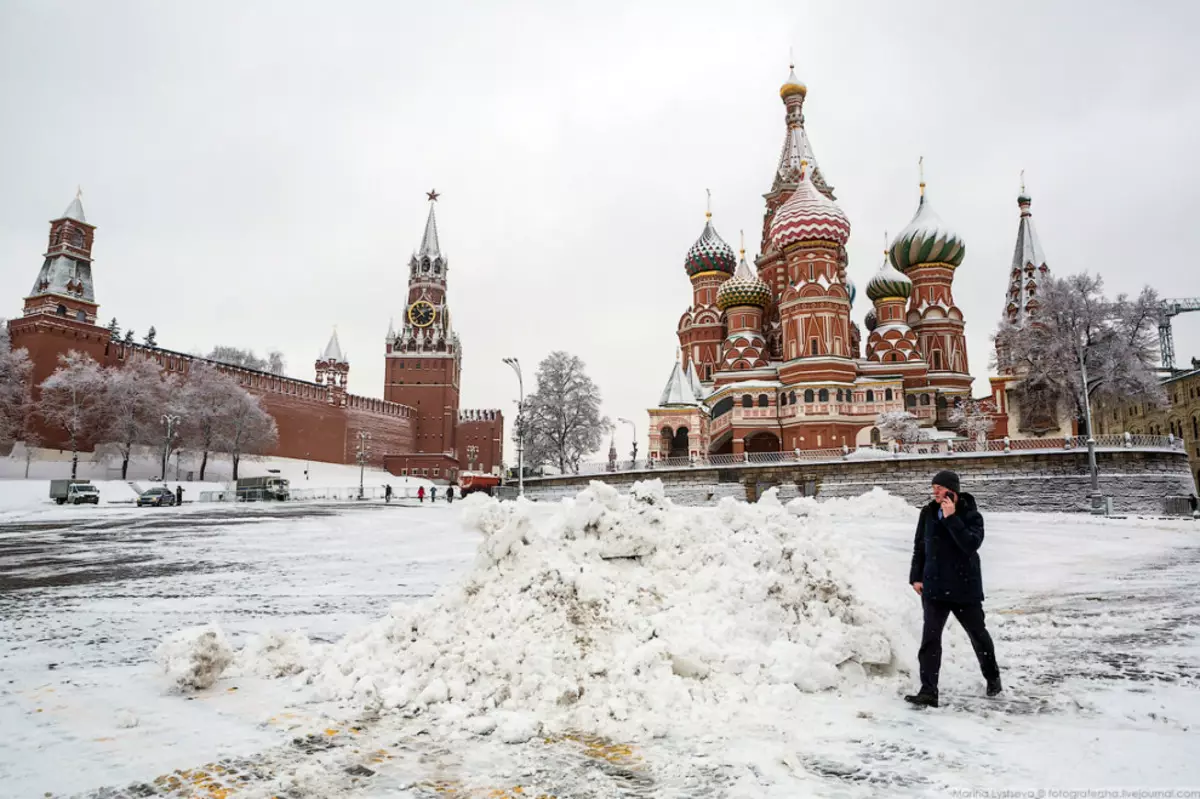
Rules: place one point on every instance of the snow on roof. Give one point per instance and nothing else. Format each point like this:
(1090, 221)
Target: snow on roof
(333, 350)
(1028, 252)
(678, 390)
(694, 378)
(75, 209)
(429, 242)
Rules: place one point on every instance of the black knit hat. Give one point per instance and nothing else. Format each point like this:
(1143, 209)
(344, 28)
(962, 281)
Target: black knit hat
(946, 479)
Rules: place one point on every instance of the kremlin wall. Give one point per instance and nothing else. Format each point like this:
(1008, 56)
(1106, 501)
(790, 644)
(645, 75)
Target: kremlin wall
(418, 429)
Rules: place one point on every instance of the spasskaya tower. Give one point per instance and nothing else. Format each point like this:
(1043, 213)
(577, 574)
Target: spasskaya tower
(424, 361)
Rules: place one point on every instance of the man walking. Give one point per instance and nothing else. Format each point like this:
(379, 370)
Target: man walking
(945, 572)
(450, 493)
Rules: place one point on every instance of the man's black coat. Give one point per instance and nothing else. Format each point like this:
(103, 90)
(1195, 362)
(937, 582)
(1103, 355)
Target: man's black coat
(946, 553)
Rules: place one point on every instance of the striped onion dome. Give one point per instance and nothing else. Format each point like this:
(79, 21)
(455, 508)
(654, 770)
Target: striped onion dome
(744, 288)
(851, 289)
(710, 253)
(927, 240)
(871, 321)
(888, 282)
(808, 215)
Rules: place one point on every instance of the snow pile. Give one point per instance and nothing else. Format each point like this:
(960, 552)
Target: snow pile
(275, 654)
(195, 658)
(626, 615)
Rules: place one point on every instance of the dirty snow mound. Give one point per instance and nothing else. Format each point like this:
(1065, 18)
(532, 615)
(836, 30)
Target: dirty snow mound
(275, 654)
(627, 615)
(195, 658)
(875, 504)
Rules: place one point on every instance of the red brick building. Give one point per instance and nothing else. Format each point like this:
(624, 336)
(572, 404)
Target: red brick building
(416, 429)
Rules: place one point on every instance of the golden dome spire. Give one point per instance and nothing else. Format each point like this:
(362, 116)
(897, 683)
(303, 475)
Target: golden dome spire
(792, 85)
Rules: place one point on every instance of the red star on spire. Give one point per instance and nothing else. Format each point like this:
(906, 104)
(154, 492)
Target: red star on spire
(432, 195)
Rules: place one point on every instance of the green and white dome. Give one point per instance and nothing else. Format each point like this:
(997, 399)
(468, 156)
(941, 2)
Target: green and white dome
(888, 282)
(926, 240)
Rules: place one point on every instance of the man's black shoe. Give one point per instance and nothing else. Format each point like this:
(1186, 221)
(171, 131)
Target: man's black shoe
(994, 687)
(922, 699)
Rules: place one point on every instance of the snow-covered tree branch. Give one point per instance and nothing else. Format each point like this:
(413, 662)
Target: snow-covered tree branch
(73, 401)
(899, 426)
(974, 418)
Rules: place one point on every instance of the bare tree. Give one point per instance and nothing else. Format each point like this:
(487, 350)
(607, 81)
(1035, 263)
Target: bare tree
(900, 426)
(33, 440)
(15, 392)
(276, 364)
(136, 396)
(974, 418)
(73, 401)
(564, 421)
(209, 396)
(250, 430)
(1077, 326)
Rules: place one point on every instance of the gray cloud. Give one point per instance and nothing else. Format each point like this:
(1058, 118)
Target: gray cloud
(257, 170)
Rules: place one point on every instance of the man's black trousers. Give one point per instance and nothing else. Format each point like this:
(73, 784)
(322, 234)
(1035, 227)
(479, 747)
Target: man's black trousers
(970, 616)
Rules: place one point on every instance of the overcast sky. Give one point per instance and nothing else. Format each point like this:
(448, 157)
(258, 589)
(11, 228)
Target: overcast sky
(258, 170)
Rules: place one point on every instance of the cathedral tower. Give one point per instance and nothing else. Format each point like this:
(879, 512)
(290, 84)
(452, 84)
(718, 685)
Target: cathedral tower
(423, 357)
(709, 263)
(64, 284)
(742, 299)
(928, 252)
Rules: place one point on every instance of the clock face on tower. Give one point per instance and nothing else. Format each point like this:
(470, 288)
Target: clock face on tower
(422, 313)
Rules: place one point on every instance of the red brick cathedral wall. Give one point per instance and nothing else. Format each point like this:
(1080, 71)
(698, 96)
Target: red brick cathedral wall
(310, 426)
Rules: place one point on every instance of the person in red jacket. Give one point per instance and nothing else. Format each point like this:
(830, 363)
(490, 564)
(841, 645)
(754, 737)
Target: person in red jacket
(421, 493)
(945, 573)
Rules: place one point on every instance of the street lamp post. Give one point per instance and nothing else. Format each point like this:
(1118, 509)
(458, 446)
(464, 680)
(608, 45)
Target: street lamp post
(1091, 439)
(516, 367)
(633, 430)
(170, 420)
(363, 453)
(472, 452)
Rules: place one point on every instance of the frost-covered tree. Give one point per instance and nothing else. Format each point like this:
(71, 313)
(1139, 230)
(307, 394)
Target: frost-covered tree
(1077, 326)
(250, 430)
(209, 397)
(73, 400)
(151, 339)
(974, 418)
(136, 396)
(899, 426)
(33, 440)
(563, 420)
(247, 359)
(15, 392)
(128, 337)
(114, 330)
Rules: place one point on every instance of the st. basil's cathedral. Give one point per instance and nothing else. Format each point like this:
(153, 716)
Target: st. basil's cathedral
(770, 359)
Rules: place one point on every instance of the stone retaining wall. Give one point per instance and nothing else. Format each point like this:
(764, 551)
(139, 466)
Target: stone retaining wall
(1139, 481)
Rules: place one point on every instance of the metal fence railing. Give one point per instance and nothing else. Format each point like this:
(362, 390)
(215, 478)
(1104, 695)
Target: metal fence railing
(1001, 446)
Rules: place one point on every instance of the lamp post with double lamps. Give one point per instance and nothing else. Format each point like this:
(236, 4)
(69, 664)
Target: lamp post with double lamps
(361, 455)
(633, 432)
(516, 367)
(171, 420)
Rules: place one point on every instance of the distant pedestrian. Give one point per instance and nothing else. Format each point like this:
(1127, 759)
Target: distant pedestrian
(387, 492)
(1193, 502)
(421, 493)
(450, 494)
(945, 572)
(178, 495)
(433, 494)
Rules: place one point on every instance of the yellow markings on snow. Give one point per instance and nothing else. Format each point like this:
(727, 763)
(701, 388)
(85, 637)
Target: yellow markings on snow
(603, 749)
(195, 783)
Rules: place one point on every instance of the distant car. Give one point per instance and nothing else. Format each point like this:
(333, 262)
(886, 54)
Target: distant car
(74, 491)
(158, 497)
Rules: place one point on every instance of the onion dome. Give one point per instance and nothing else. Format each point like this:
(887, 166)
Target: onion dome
(808, 215)
(710, 253)
(871, 321)
(927, 240)
(889, 282)
(744, 288)
(792, 85)
(851, 289)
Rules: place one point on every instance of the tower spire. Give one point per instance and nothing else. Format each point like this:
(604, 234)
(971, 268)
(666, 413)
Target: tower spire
(429, 242)
(708, 204)
(921, 172)
(75, 209)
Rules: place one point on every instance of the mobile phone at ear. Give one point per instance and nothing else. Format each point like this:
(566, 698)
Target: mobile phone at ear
(952, 495)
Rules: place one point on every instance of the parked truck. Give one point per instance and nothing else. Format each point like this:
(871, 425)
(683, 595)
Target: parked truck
(254, 489)
(76, 492)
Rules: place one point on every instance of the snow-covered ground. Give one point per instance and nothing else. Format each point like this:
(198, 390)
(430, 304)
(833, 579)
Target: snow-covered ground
(625, 646)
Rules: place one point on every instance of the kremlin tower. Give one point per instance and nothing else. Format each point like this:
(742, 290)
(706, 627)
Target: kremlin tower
(771, 359)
